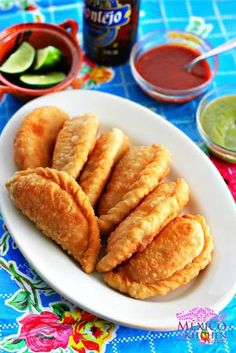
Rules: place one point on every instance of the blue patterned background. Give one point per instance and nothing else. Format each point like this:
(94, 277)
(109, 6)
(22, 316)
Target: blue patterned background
(154, 15)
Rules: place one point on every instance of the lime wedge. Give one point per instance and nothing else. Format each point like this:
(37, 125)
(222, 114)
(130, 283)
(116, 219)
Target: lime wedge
(49, 79)
(20, 60)
(47, 57)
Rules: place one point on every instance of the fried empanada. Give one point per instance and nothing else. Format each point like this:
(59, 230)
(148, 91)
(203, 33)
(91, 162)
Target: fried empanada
(74, 143)
(132, 235)
(36, 137)
(174, 258)
(134, 177)
(108, 150)
(58, 206)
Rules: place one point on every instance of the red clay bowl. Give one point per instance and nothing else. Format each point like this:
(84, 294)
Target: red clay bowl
(62, 36)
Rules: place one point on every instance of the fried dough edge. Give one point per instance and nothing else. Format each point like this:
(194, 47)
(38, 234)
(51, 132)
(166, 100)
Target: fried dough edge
(146, 182)
(179, 278)
(68, 184)
(137, 235)
(108, 150)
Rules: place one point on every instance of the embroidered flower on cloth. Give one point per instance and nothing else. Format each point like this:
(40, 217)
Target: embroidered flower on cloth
(228, 172)
(43, 332)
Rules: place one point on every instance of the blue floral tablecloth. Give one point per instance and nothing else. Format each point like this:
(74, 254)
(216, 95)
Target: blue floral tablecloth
(33, 318)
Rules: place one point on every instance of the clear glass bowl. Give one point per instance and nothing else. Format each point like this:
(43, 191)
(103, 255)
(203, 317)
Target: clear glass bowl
(157, 38)
(220, 151)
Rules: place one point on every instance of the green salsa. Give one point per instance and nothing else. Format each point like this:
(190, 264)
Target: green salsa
(218, 121)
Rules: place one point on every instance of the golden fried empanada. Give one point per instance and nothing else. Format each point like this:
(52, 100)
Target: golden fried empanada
(108, 150)
(134, 177)
(57, 205)
(36, 137)
(160, 207)
(74, 143)
(174, 257)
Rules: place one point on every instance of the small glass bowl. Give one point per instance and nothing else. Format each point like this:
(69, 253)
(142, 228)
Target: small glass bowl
(220, 151)
(157, 38)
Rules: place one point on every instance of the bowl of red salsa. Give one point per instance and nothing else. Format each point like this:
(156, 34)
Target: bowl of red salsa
(158, 63)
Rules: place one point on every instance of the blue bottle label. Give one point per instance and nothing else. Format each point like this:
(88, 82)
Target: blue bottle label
(104, 19)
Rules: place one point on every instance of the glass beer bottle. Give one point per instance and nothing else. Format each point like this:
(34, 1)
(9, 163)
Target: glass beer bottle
(109, 30)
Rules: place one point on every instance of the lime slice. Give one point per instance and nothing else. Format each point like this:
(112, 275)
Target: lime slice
(20, 60)
(47, 57)
(49, 79)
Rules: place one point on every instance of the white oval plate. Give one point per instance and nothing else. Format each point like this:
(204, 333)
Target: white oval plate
(213, 288)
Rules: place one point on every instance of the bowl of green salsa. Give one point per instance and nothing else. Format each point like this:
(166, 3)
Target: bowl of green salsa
(216, 121)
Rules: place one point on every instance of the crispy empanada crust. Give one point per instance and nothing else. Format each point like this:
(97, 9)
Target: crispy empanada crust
(74, 144)
(143, 283)
(160, 207)
(108, 150)
(58, 206)
(134, 177)
(34, 141)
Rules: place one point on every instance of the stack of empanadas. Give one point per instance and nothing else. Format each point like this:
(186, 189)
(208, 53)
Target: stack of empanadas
(175, 256)
(69, 175)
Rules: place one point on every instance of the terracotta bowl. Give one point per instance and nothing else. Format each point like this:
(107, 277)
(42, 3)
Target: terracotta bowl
(39, 35)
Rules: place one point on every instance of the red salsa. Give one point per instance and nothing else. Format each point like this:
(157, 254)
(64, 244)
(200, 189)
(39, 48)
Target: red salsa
(164, 66)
